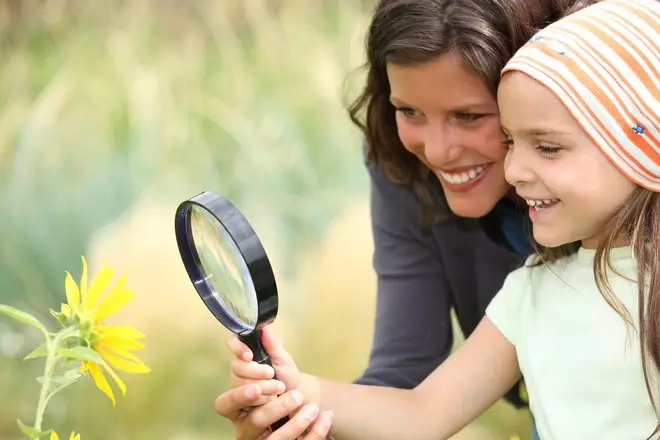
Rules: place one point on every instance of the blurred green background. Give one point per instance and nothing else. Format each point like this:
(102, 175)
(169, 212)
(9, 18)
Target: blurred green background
(112, 112)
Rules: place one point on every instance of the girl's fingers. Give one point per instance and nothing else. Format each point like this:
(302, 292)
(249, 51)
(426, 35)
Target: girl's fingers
(239, 349)
(251, 370)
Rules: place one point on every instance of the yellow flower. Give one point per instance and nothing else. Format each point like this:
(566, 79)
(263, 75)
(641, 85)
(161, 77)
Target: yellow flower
(73, 436)
(86, 308)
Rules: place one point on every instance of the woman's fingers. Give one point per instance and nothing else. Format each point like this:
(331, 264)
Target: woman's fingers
(306, 424)
(261, 418)
(321, 427)
(247, 408)
(232, 402)
(244, 397)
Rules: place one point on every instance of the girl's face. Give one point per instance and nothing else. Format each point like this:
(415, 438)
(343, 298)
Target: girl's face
(555, 166)
(448, 118)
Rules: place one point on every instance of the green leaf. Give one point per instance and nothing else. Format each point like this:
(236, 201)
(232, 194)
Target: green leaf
(23, 317)
(68, 333)
(82, 353)
(60, 381)
(31, 431)
(38, 352)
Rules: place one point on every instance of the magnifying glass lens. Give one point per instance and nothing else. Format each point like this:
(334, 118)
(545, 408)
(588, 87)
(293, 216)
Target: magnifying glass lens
(229, 268)
(225, 272)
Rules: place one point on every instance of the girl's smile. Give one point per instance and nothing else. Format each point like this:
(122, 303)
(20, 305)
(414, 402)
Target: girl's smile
(549, 156)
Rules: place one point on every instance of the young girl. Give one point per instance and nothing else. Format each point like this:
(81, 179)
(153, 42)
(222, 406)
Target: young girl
(580, 105)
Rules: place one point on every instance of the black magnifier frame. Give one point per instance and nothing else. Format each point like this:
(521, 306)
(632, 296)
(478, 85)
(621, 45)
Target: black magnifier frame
(241, 237)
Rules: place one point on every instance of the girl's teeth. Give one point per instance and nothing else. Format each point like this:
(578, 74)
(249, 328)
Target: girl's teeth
(538, 205)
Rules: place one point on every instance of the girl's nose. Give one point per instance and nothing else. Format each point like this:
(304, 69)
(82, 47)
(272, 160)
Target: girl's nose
(517, 167)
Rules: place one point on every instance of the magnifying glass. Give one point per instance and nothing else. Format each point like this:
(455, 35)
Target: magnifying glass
(229, 268)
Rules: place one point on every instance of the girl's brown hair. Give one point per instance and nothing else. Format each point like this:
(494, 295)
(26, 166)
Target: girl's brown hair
(486, 33)
(636, 223)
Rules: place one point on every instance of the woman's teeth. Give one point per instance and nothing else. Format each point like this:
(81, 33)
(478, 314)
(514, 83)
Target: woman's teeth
(541, 204)
(464, 177)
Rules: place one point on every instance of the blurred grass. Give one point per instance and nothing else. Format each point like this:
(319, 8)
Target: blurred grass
(113, 112)
(104, 101)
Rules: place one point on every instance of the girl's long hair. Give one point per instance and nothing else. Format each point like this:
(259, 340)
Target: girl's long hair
(637, 223)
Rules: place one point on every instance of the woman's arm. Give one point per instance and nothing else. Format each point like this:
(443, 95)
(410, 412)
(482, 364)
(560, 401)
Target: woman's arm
(413, 332)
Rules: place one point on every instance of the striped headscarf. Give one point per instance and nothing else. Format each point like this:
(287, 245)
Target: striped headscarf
(603, 63)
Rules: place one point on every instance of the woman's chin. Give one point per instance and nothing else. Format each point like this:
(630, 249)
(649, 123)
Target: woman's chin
(470, 208)
(473, 205)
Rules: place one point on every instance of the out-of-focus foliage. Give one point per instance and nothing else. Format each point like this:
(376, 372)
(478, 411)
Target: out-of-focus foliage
(111, 113)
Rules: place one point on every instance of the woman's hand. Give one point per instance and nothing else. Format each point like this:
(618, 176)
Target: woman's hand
(253, 423)
(255, 400)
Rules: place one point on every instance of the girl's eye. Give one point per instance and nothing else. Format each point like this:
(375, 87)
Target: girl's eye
(547, 150)
(407, 112)
(469, 117)
(508, 142)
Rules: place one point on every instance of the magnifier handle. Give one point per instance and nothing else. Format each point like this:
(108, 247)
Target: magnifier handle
(260, 356)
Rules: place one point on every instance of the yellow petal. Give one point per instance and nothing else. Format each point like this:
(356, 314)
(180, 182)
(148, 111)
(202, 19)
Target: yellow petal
(121, 343)
(74, 436)
(113, 302)
(123, 360)
(54, 436)
(72, 293)
(120, 383)
(83, 281)
(120, 331)
(100, 381)
(99, 285)
(66, 309)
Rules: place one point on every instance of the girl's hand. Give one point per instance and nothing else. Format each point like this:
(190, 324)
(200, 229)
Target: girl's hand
(244, 371)
(253, 403)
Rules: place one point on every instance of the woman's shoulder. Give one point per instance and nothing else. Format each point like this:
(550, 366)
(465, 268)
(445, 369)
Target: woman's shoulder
(402, 198)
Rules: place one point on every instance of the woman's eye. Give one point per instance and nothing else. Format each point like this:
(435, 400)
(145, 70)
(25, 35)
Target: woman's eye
(407, 112)
(469, 117)
(544, 149)
(508, 142)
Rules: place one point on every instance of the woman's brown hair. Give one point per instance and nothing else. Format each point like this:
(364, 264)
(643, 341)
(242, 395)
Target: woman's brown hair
(486, 33)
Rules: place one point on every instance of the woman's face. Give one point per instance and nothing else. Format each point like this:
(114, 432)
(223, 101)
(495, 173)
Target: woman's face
(448, 118)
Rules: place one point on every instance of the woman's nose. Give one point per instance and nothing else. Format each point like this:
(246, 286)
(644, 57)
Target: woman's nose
(440, 148)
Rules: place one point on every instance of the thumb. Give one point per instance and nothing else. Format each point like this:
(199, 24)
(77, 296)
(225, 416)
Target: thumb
(275, 348)
(285, 368)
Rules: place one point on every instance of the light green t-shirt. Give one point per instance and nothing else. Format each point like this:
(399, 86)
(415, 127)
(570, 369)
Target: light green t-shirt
(581, 362)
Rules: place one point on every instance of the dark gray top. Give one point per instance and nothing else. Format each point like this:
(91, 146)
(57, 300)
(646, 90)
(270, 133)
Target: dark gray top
(422, 274)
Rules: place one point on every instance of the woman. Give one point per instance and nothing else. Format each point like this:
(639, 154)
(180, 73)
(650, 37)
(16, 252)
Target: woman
(447, 229)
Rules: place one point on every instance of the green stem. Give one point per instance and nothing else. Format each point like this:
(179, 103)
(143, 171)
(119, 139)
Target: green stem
(51, 359)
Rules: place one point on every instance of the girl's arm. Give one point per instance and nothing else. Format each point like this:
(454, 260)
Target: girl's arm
(481, 371)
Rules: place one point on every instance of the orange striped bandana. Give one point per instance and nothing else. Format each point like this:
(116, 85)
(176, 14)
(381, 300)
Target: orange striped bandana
(603, 63)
